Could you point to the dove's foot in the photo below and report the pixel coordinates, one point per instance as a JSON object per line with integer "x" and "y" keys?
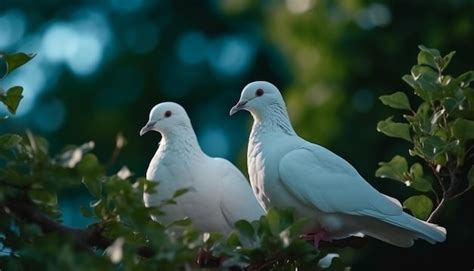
{"x": 317, "y": 237}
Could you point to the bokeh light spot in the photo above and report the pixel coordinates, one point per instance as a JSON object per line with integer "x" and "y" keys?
{"x": 191, "y": 47}
{"x": 49, "y": 116}
{"x": 298, "y": 6}
{"x": 231, "y": 55}
{"x": 12, "y": 27}
{"x": 363, "y": 100}
{"x": 214, "y": 142}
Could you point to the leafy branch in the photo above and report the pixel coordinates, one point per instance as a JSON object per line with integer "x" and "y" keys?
{"x": 12, "y": 96}
{"x": 441, "y": 131}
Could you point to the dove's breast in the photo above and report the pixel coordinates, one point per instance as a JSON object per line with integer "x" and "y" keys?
{"x": 263, "y": 158}
{"x": 198, "y": 176}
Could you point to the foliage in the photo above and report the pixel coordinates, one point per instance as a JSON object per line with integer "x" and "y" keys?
{"x": 273, "y": 242}
{"x": 122, "y": 236}
{"x": 440, "y": 130}
{"x": 12, "y": 96}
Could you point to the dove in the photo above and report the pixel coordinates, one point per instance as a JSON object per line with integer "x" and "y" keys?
{"x": 287, "y": 171}
{"x": 218, "y": 195}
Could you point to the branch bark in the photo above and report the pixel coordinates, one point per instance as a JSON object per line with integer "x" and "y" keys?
{"x": 84, "y": 238}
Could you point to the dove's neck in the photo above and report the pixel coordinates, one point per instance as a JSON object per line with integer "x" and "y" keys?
{"x": 272, "y": 119}
{"x": 181, "y": 142}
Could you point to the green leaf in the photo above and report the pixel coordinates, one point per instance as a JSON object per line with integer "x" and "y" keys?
{"x": 394, "y": 129}
{"x": 41, "y": 196}
{"x": 273, "y": 218}
{"x": 15, "y": 60}
{"x": 410, "y": 81}
{"x": 465, "y": 79}
{"x": 100, "y": 208}
{"x": 432, "y": 52}
{"x": 463, "y": 129}
{"x": 91, "y": 170}
{"x": 184, "y": 222}
{"x": 394, "y": 169}
{"x": 426, "y": 58}
{"x": 86, "y": 212}
{"x": 420, "y": 206}
{"x": 444, "y": 62}
{"x": 470, "y": 177}
{"x": 12, "y": 98}
{"x": 233, "y": 240}
{"x": 8, "y": 141}
{"x": 418, "y": 181}
{"x": 180, "y": 192}
{"x": 427, "y": 83}
{"x": 245, "y": 229}
{"x": 398, "y": 100}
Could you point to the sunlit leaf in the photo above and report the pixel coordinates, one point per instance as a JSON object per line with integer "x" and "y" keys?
{"x": 8, "y": 141}
{"x": 397, "y": 100}
{"x": 433, "y": 52}
{"x": 466, "y": 78}
{"x": 233, "y": 239}
{"x": 444, "y": 62}
{"x": 394, "y": 169}
{"x": 12, "y": 98}
{"x": 184, "y": 222}
{"x": 180, "y": 192}
{"x": 394, "y": 129}
{"x": 420, "y": 206}
{"x": 90, "y": 169}
{"x": 16, "y": 60}
{"x": 428, "y": 86}
{"x": 418, "y": 180}
{"x": 42, "y": 196}
{"x": 245, "y": 229}
{"x": 463, "y": 129}
{"x": 86, "y": 212}
{"x": 426, "y": 58}
{"x": 470, "y": 176}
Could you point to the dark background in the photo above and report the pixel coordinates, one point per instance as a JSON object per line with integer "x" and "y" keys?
{"x": 102, "y": 65}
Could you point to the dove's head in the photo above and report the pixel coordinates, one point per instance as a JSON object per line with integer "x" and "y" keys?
{"x": 257, "y": 97}
{"x": 166, "y": 117}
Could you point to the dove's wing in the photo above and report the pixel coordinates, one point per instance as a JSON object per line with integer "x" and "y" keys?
{"x": 321, "y": 178}
{"x": 237, "y": 200}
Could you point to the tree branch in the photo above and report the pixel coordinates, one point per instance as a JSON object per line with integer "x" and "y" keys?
{"x": 352, "y": 242}
{"x": 84, "y": 239}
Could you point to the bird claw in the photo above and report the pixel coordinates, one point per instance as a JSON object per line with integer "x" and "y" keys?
{"x": 317, "y": 237}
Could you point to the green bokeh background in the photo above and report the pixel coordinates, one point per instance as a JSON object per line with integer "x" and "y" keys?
{"x": 331, "y": 59}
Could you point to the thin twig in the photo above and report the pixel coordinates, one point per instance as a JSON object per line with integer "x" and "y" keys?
{"x": 440, "y": 181}
{"x": 434, "y": 215}
{"x": 119, "y": 144}
{"x": 462, "y": 192}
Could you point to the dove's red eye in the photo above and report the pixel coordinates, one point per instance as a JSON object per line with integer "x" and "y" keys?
{"x": 167, "y": 114}
{"x": 259, "y": 92}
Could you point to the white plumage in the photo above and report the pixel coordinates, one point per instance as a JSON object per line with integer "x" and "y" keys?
{"x": 288, "y": 171}
{"x": 219, "y": 194}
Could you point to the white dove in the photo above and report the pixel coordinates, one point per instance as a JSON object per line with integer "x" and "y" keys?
{"x": 219, "y": 194}
{"x": 288, "y": 171}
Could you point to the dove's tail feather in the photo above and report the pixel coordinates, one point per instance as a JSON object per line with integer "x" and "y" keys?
{"x": 402, "y": 230}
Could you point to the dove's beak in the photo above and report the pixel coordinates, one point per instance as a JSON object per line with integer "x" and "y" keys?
{"x": 236, "y": 108}
{"x": 146, "y": 128}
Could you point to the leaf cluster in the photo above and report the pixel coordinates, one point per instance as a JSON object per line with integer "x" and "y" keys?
{"x": 440, "y": 130}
